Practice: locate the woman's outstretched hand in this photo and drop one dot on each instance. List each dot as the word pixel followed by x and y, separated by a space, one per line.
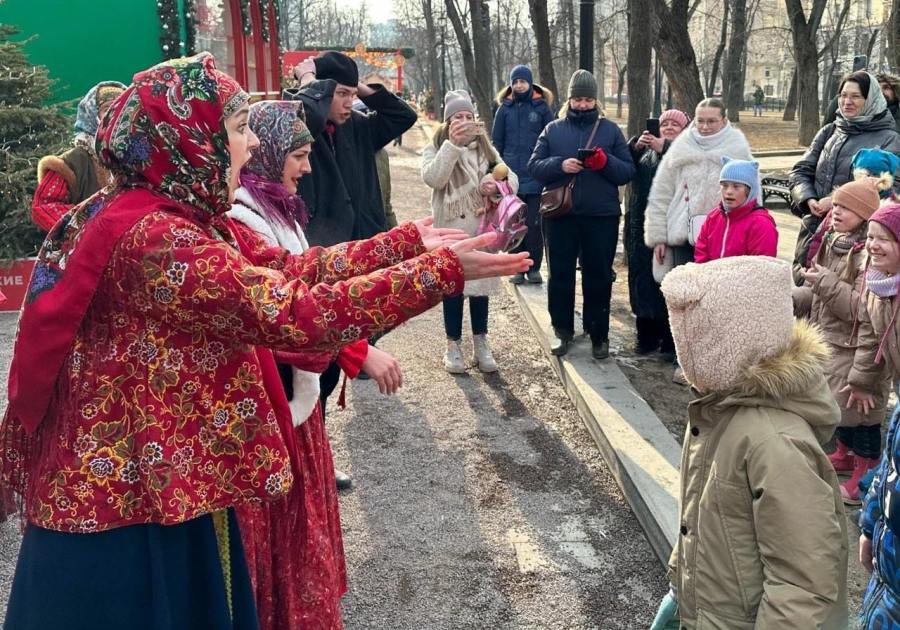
pixel 433 237
pixel 384 370
pixel 477 264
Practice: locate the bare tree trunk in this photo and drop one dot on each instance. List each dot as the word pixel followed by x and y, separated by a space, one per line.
pixel 540 23
pixel 676 53
pixel 477 75
pixel 803 33
pixel 717 58
pixel 732 84
pixel 893 36
pixel 640 52
pixel 790 105
pixel 870 46
pixel 572 28
pixel 434 77
pixel 600 70
pixel 619 87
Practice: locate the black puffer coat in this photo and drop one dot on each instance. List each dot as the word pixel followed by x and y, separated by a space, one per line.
pixel 342 192
pixel 643 292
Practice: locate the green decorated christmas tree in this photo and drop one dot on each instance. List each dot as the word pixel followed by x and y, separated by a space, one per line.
pixel 29 130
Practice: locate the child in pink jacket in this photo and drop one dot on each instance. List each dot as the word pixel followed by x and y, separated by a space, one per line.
pixel 740 225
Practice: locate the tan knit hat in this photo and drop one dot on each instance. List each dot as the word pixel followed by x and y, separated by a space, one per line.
pixel 727 315
pixel 859 196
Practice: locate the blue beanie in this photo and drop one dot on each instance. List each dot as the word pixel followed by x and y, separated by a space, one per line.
pixel 876 161
pixel 521 72
pixel 741 172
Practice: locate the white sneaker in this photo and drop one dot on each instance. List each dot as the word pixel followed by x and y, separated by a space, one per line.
pixel 483 357
pixel 453 360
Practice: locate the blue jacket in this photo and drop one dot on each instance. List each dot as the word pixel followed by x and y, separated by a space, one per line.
pixel 518 122
pixel 596 193
pixel 881 604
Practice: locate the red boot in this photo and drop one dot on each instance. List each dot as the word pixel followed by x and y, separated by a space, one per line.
pixel 850 488
pixel 842 458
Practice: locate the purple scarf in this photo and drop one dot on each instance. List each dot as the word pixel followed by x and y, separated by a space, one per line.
pixel 281 130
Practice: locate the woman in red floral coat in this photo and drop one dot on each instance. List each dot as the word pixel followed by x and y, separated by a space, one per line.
pixel 144 400
pixel 296 560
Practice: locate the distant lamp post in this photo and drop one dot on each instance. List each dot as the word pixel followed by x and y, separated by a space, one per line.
pixel 586 35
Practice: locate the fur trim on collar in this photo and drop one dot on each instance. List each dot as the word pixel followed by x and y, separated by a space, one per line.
pixel 57 165
pixel 537 92
pixel 792 371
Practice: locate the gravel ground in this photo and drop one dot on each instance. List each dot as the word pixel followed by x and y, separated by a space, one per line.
pixel 481 501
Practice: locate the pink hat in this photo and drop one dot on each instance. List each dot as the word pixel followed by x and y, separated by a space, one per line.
pixel 888 215
pixel 677 115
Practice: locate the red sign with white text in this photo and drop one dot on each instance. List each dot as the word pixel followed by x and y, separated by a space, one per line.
pixel 14 282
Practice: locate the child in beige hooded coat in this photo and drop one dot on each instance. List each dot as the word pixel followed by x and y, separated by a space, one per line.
pixel 831 297
pixel 763 540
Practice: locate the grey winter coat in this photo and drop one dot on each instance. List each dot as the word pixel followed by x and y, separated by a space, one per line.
pixel 826 165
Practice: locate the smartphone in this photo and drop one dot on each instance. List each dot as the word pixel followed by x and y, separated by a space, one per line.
pixel 860 62
pixel 653 126
pixel 584 154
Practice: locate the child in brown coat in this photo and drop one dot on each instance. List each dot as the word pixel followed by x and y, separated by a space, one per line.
pixel 830 298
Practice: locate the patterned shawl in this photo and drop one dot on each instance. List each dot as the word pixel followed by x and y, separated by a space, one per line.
pixel 165 141
pixel 280 128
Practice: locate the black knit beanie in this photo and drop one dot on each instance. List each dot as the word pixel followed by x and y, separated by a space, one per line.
pixel 337 66
pixel 582 84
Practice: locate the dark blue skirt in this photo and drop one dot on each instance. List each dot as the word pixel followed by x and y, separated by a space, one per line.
pixel 142 577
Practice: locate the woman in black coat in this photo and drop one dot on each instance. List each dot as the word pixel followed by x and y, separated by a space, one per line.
pixel 647 302
pixel 591 229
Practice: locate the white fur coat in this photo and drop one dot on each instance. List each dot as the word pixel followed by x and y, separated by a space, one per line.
pixel 687 182
pixel 244 209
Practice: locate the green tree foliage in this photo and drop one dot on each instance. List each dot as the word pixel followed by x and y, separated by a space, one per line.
pixel 29 130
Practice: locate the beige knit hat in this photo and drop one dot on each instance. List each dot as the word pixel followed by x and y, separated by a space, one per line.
pixel 859 196
pixel 727 315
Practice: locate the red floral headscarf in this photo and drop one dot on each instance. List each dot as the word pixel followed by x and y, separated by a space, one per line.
pixel 168 130
pixel 165 140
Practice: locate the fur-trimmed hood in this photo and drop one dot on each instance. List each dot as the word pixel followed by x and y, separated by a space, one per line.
pixel 792 380
pixel 537 92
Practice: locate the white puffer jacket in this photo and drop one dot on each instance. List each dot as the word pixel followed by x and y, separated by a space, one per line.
pixel 687 182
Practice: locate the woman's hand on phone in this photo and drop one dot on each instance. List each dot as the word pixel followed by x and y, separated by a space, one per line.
pixel 462 132
pixel 572 166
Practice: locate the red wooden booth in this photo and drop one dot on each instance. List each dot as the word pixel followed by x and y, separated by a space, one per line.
pixel 243 36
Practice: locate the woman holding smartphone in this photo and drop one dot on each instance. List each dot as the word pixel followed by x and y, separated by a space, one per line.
pixel 647 303
pixel 592 225
pixel 458 167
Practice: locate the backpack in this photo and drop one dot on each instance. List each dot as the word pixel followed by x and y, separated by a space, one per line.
pixel 506 219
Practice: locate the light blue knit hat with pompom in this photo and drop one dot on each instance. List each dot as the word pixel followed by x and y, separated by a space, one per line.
pixel 742 172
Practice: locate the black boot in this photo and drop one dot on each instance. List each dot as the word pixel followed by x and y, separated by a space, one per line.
pixel 560 345
pixel 667 344
pixel 647 336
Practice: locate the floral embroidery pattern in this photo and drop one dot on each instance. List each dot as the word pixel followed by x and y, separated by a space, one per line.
pixel 165 413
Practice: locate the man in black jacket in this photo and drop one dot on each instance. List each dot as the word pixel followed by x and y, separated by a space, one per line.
pixel 342 192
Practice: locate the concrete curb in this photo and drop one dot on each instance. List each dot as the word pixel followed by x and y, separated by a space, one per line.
pixel 641 453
